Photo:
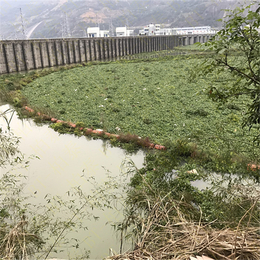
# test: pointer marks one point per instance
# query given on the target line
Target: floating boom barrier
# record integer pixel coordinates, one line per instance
(89, 131)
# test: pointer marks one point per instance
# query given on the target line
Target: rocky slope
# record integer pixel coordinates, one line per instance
(58, 18)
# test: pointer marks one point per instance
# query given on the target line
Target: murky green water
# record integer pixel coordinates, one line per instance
(63, 158)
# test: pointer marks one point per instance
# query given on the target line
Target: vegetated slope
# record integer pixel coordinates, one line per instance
(107, 15)
(155, 99)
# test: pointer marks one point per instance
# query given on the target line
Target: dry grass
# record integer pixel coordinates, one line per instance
(18, 243)
(166, 234)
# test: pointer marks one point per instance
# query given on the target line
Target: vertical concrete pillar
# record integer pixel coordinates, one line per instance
(141, 44)
(133, 45)
(75, 51)
(176, 41)
(37, 55)
(9, 57)
(15, 56)
(84, 47)
(18, 56)
(125, 40)
(58, 51)
(28, 55)
(81, 51)
(55, 51)
(52, 54)
(101, 48)
(110, 50)
(130, 42)
(121, 47)
(118, 47)
(156, 43)
(63, 52)
(68, 51)
(106, 49)
(3, 59)
(96, 49)
(172, 42)
(89, 50)
(33, 55)
(145, 44)
(162, 43)
(127, 46)
(41, 53)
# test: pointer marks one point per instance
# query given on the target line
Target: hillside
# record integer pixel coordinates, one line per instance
(47, 19)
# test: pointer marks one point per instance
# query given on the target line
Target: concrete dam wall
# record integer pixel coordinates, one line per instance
(25, 55)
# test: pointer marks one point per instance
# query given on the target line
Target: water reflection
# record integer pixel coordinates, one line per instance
(62, 160)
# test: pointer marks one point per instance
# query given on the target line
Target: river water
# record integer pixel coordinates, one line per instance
(62, 161)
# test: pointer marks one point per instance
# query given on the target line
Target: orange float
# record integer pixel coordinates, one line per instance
(88, 131)
(151, 145)
(71, 124)
(114, 135)
(107, 134)
(98, 131)
(253, 167)
(159, 147)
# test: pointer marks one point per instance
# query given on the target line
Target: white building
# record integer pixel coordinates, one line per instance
(96, 32)
(123, 31)
(155, 29)
(150, 29)
(164, 31)
(193, 30)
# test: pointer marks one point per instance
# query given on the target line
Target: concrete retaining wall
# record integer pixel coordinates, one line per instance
(25, 55)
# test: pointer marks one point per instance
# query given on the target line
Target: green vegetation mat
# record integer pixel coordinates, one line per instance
(158, 98)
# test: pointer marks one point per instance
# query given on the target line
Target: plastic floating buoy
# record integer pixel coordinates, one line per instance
(71, 124)
(29, 109)
(107, 134)
(159, 147)
(98, 131)
(193, 171)
(88, 131)
(114, 135)
(151, 145)
(253, 167)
